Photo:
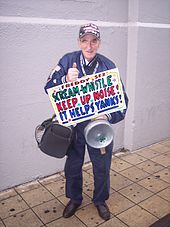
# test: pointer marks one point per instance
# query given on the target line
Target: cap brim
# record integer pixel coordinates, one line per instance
(89, 33)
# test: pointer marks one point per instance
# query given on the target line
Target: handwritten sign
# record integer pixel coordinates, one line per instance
(88, 97)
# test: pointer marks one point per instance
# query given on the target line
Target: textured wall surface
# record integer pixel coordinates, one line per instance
(68, 9)
(33, 37)
(148, 73)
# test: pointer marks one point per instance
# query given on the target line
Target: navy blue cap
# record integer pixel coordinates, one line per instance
(89, 29)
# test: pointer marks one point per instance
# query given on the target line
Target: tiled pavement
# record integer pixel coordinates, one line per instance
(140, 194)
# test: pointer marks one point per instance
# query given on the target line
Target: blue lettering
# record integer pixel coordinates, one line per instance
(72, 113)
(63, 115)
(97, 104)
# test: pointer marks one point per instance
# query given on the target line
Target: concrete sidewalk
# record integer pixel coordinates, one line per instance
(139, 194)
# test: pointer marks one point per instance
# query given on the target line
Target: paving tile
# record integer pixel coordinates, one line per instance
(163, 159)
(134, 174)
(165, 142)
(12, 206)
(163, 175)
(1, 224)
(159, 147)
(121, 152)
(118, 181)
(113, 222)
(51, 179)
(62, 174)
(37, 196)
(153, 184)
(118, 203)
(87, 166)
(133, 158)
(126, 168)
(56, 188)
(136, 193)
(23, 219)
(119, 164)
(7, 194)
(156, 206)
(90, 171)
(64, 200)
(165, 194)
(66, 222)
(150, 167)
(137, 217)
(147, 153)
(88, 190)
(27, 186)
(87, 179)
(89, 216)
(49, 211)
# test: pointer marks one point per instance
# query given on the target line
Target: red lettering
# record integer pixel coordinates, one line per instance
(69, 104)
(99, 94)
(59, 107)
(85, 99)
(111, 91)
(97, 76)
(95, 95)
(76, 82)
(104, 93)
(64, 105)
(74, 101)
(82, 99)
(67, 85)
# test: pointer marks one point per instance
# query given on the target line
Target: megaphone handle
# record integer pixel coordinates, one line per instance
(103, 150)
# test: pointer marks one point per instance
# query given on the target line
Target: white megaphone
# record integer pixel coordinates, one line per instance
(98, 133)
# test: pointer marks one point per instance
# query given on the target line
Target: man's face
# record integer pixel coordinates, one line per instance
(89, 45)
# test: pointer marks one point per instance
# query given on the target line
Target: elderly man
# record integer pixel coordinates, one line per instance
(72, 66)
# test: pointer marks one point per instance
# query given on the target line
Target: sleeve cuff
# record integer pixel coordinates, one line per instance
(109, 117)
(63, 79)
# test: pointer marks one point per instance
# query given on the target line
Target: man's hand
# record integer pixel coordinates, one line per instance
(101, 117)
(72, 73)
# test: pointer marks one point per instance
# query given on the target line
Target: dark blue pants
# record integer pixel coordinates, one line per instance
(73, 169)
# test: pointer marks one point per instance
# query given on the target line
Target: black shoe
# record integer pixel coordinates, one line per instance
(103, 211)
(70, 209)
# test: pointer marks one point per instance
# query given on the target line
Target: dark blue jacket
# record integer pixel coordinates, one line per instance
(57, 76)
